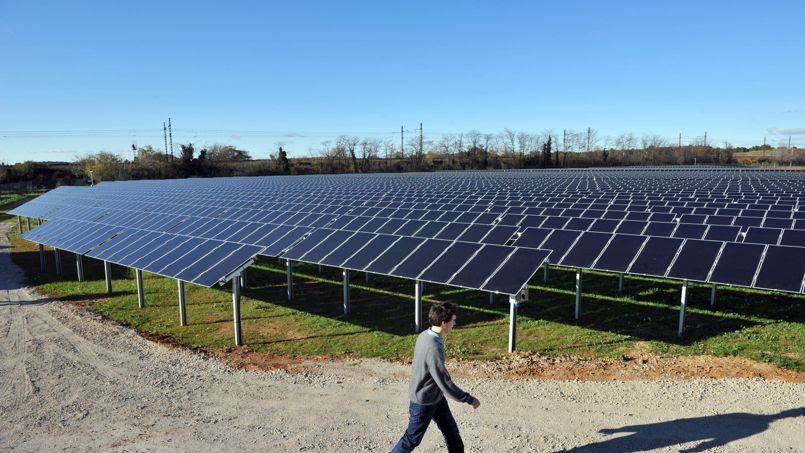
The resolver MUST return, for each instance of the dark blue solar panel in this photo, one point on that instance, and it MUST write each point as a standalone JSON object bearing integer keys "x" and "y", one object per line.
{"x": 134, "y": 243}
{"x": 259, "y": 232}
{"x": 499, "y": 235}
{"x": 604, "y": 225}
{"x": 532, "y": 221}
{"x": 783, "y": 269}
{"x": 451, "y": 261}
{"x": 532, "y": 237}
{"x": 141, "y": 252}
{"x": 223, "y": 268}
{"x": 481, "y": 266}
{"x": 695, "y": 260}
{"x": 179, "y": 262}
{"x": 555, "y": 222}
{"x": 423, "y": 257}
{"x": 205, "y": 263}
{"x": 757, "y": 235}
{"x": 579, "y": 224}
{"x": 373, "y": 225}
{"x": 347, "y": 249}
{"x": 690, "y": 231}
{"x": 737, "y": 264}
{"x": 394, "y": 255}
{"x": 722, "y": 233}
{"x": 516, "y": 271}
{"x": 559, "y": 242}
{"x": 620, "y": 252}
{"x": 410, "y": 227}
{"x": 771, "y": 222}
{"x": 307, "y": 244}
{"x": 116, "y": 243}
{"x": 452, "y": 231}
{"x": 631, "y": 227}
{"x": 794, "y": 238}
{"x": 659, "y": 229}
{"x": 367, "y": 254}
{"x": 474, "y": 233}
{"x": 656, "y": 256}
{"x": 391, "y": 226}
{"x": 165, "y": 247}
{"x": 430, "y": 229}
{"x": 325, "y": 247}
{"x": 283, "y": 243}
{"x": 586, "y": 249}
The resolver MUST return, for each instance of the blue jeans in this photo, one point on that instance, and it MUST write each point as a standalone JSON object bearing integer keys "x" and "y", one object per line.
{"x": 420, "y": 417}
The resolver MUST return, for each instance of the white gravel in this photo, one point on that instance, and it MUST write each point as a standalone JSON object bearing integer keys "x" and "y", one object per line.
{"x": 72, "y": 381}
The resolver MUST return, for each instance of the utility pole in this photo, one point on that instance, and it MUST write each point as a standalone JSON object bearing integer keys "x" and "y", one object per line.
{"x": 421, "y": 142}
{"x": 705, "y": 139}
{"x": 402, "y": 143}
{"x": 680, "y": 140}
{"x": 789, "y": 143}
{"x": 170, "y": 135}
{"x": 588, "y": 139}
{"x": 165, "y": 133}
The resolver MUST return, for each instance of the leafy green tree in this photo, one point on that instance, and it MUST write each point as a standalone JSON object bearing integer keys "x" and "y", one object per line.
{"x": 227, "y": 153}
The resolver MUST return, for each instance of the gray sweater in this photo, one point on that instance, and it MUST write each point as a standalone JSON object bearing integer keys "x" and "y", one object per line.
{"x": 429, "y": 378}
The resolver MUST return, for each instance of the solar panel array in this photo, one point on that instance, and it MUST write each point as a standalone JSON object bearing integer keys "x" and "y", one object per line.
{"x": 481, "y": 230}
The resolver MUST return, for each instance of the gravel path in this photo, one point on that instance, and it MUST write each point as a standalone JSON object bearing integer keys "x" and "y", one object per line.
{"x": 72, "y": 381}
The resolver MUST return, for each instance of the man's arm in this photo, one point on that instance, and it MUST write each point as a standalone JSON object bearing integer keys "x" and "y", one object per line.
{"x": 437, "y": 369}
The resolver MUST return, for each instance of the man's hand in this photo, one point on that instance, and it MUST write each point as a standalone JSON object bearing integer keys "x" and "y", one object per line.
{"x": 475, "y": 403}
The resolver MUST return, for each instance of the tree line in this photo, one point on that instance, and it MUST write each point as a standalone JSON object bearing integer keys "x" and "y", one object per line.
{"x": 472, "y": 150}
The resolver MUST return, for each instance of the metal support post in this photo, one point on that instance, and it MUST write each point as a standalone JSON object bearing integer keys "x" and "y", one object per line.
{"x": 320, "y": 268}
{"x": 289, "y": 271}
{"x": 243, "y": 278}
{"x": 182, "y": 309}
{"x": 236, "y": 310}
{"x": 107, "y": 272}
{"x": 28, "y": 222}
{"x": 140, "y": 292}
{"x": 620, "y": 282}
{"x": 57, "y": 256}
{"x": 545, "y": 268}
{"x": 513, "y": 306}
{"x": 41, "y": 257}
{"x": 491, "y": 298}
{"x": 345, "y": 274}
{"x": 366, "y": 276}
{"x": 578, "y": 292}
{"x": 418, "y": 287}
{"x": 713, "y": 295}
{"x": 683, "y": 303}
{"x": 79, "y": 264}
{"x": 19, "y": 223}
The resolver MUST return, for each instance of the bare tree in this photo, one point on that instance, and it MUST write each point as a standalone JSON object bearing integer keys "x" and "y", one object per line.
{"x": 370, "y": 148}
{"x": 653, "y": 141}
{"x": 525, "y": 144}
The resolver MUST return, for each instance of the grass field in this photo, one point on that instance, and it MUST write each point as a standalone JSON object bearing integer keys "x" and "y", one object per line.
{"x": 763, "y": 326}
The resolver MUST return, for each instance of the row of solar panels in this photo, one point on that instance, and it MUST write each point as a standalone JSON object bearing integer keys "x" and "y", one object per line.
{"x": 206, "y": 261}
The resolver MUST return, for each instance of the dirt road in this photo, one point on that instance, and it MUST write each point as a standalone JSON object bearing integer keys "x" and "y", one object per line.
{"x": 72, "y": 381}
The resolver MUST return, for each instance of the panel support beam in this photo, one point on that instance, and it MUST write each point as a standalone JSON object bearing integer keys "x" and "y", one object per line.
{"x": 236, "y": 310}
{"x": 418, "y": 288}
{"x": 19, "y": 223}
{"x": 620, "y": 282}
{"x": 182, "y": 308}
{"x": 683, "y": 302}
{"x": 57, "y": 258}
{"x": 289, "y": 272}
{"x": 138, "y": 274}
{"x": 345, "y": 278}
{"x": 514, "y": 304}
{"x": 107, "y": 273}
{"x": 713, "y": 295}
{"x": 79, "y": 264}
{"x": 41, "y": 258}
{"x": 578, "y": 292}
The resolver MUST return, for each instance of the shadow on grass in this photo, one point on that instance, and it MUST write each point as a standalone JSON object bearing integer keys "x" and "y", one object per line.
{"x": 309, "y": 337}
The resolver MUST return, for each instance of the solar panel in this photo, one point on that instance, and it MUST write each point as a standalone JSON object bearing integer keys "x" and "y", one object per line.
{"x": 559, "y": 242}
{"x": 722, "y": 233}
{"x": 695, "y": 260}
{"x": 794, "y": 238}
{"x": 586, "y": 249}
{"x": 737, "y": 264}
{"x": 690, "y": 231}
{"x": 412, "y": 266}
{"x": 758, "y": 235}
{"x": 783, "y": 269}
{"x": 656, "y": 256}
{"x": 520, "y": 267}
{"x": 478, "y": 269}
{"x": 532, "y": 237}
{"x": 347, "y": 249}
{"x": 361, "y": 259}
{"x": 450, "y": 262}
{"x": 389, "y": 259}
{"x": 620, "y": 252}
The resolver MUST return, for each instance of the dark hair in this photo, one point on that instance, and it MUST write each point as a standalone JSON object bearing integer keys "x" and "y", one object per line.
{"x": 440, "y": 313}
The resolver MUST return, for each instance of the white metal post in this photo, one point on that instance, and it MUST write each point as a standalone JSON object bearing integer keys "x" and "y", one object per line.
{"x": 713, "y": 295}
{"x": 682, "y": 304}
{"x": 79, "y": 264}
{"x": 41, "y": 257}
{"x": 236, "y": 310}
{"x": 620, "y": 282}
{"x": 513, "y": 306}
{"x": 545, "y": 268}
{"x": 243, "y": 278}
{"x": 107, "y": 272}
{"x": 366, "y": 276}
{"x": 182, "y": 308}
{"x": 19, "y": 223}
{"x": 57, "y": 256}
{"x": 417, "y": 306}
{"x": 140, "y": 292}
{"x": 289, "y": 271}
{"x": 345, "y": 275}
{"x": 28, "y": 222}
{"x": 578, "y": 292}
{"x": 491, "y": 298}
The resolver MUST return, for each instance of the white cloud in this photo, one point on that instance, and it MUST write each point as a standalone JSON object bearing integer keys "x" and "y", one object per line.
{"x": 789, "y": 131}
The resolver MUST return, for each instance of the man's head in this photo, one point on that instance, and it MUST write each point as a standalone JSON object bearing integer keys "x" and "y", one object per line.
{"x": 443, "y": 316}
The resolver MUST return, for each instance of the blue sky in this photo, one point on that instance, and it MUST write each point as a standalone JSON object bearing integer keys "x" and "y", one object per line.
{"x": 79, "y": 77}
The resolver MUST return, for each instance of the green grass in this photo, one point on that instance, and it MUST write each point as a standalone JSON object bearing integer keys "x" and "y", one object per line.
{"x": 763, "y": 326}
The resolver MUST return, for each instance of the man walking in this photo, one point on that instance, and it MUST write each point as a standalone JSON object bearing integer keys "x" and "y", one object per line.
{"x": 430, "y": 382}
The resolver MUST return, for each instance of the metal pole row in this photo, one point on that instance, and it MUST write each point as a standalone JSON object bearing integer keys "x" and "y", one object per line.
{"x": 345, "y": 276}
{"x": 140, "y": 292}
